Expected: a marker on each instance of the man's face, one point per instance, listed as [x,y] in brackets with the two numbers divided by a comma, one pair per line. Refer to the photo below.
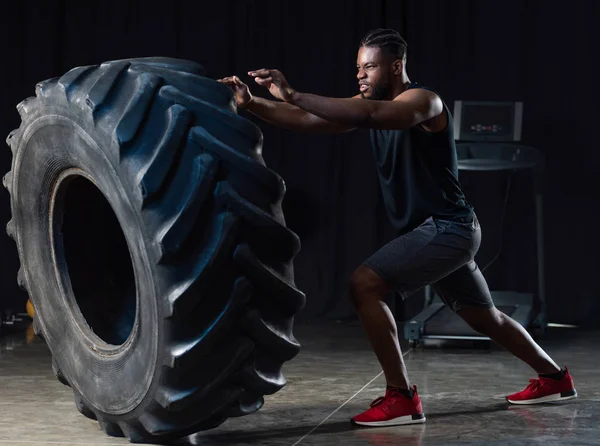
[375,73]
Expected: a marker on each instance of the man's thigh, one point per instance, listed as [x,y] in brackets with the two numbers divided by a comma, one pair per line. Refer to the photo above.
[465,287]
[425,255]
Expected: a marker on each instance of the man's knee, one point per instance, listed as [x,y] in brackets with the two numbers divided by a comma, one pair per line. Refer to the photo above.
[365,284]
[482,320]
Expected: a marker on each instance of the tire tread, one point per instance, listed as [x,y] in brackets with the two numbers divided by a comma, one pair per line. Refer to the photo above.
[189,171]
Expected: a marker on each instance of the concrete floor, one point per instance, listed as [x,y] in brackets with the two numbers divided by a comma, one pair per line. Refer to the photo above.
[335,377]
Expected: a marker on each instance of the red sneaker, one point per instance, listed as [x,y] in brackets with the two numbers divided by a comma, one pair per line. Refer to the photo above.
[391,410]
[544,390]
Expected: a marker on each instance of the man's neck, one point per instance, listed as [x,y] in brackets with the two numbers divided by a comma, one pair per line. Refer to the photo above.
[401,87]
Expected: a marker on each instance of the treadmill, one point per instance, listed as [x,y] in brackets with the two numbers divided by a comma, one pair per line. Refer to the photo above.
[490,130]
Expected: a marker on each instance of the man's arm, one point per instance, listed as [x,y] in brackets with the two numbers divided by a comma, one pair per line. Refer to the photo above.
[411,108]
[290,117]
[280,114]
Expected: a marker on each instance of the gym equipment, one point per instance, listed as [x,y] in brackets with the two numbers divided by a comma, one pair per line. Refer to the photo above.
[482,121]
[12,321]
[153,246]
[436,321]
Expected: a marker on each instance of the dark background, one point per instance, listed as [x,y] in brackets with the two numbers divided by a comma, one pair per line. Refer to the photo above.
[539,52]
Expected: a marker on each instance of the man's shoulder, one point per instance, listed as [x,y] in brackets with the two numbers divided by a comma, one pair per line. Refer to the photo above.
[415,90]
[421,99]
[420,87]
[425,98]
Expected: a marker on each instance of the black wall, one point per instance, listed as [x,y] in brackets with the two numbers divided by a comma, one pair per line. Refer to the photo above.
[542,53]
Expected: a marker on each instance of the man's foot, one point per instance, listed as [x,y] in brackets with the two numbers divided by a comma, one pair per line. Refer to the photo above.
[544,390]
[391,410]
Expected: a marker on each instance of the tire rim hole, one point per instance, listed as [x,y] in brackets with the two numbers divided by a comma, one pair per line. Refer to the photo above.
[98,262]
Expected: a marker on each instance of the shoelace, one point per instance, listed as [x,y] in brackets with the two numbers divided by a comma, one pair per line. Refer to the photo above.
[535,384]
[379,400]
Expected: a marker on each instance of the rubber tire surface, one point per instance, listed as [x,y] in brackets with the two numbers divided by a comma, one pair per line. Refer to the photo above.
[201,215]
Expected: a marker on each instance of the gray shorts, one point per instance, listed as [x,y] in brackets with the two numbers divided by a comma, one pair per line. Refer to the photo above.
[439,253]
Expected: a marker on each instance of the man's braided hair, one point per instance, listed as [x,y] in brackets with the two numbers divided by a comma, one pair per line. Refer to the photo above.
[387,40]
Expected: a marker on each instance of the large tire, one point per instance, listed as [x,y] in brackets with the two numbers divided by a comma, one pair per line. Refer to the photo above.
[153,247]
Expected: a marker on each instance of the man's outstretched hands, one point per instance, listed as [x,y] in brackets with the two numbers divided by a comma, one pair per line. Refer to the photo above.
[271,79]
[276,83]
[241,91]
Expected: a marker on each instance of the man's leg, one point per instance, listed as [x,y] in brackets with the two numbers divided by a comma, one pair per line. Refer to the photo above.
[367,290]
[509,334]
[405,264]
[401,404]
[466,291]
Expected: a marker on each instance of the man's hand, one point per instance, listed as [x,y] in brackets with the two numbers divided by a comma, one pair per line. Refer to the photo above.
[276,83]
[241,91]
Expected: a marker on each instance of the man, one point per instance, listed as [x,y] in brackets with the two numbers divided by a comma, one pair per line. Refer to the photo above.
[413,145]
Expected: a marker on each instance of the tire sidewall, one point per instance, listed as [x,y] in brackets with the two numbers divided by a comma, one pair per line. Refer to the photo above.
[55,139]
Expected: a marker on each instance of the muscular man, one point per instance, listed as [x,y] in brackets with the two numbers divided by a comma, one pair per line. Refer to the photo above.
[413,146]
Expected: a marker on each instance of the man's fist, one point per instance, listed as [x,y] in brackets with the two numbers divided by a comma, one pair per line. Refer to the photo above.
[241,91]
[275,82]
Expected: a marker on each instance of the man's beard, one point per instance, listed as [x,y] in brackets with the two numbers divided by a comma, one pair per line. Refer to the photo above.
[379,92]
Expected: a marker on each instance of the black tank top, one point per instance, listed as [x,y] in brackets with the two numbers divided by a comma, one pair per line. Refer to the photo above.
[418,173]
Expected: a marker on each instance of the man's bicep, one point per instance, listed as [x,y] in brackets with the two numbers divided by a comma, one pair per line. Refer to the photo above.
[407,110]
[420,105]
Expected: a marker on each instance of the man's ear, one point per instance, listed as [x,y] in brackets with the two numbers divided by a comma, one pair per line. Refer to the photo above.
[398,66]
